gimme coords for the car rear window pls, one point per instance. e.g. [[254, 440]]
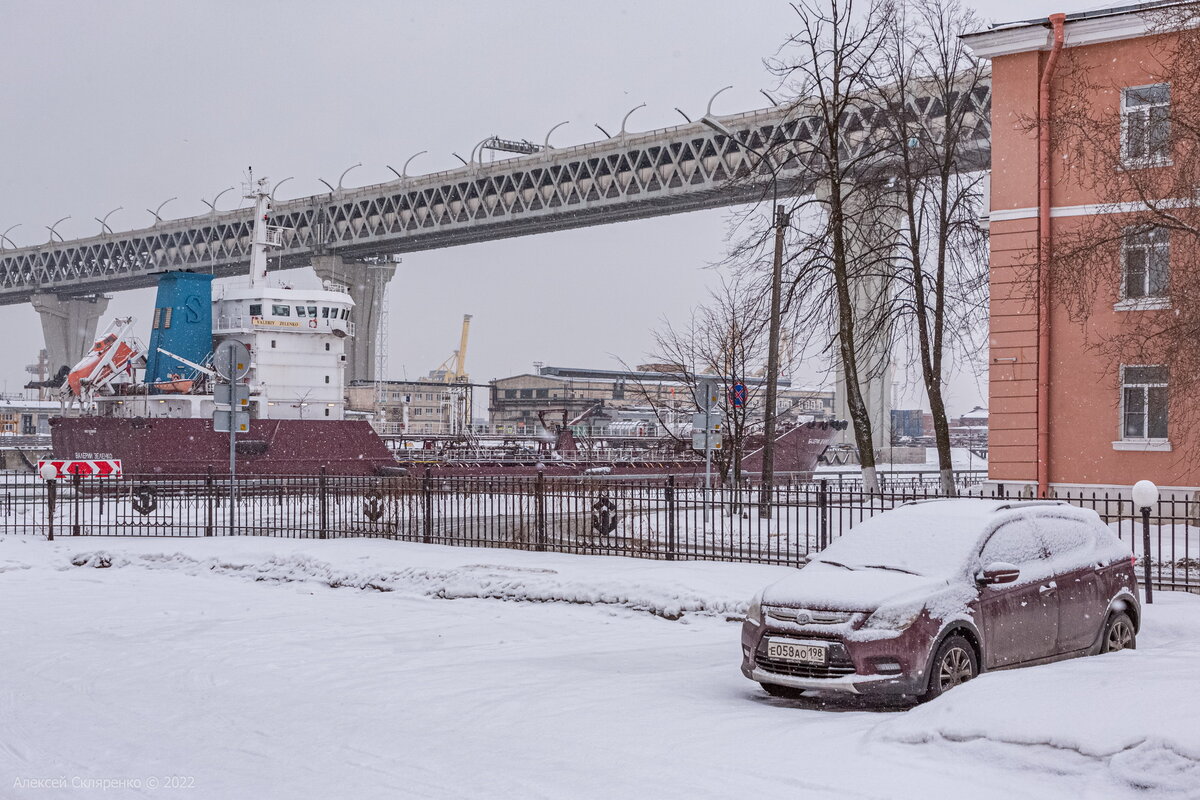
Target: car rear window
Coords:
[[1065, 535], [1015, 542]]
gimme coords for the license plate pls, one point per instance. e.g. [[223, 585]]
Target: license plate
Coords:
[[798, 652]]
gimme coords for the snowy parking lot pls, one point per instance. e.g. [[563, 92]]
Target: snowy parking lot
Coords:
[[262, 668]]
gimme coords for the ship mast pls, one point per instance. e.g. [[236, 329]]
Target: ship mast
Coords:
[[257, 192]]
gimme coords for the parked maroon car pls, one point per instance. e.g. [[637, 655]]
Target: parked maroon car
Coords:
[[921, 598]]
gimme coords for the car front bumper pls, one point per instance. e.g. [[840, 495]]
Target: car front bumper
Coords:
[[853, 666]]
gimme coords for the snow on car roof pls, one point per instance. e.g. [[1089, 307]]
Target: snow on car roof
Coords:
[[934, 537]]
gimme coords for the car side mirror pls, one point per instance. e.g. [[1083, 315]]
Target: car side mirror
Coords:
[[998, 572]]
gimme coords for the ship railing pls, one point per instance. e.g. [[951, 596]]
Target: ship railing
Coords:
[[275, 235]]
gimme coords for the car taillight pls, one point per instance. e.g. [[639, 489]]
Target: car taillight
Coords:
[[1133, 561]]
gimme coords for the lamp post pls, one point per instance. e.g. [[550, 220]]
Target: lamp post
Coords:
[[780, 224], [1145, 497], [49, 474]]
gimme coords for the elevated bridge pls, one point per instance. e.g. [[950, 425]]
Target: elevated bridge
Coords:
[[344, 233]]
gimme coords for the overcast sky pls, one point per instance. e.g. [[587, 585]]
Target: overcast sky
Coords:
[[123, 103]]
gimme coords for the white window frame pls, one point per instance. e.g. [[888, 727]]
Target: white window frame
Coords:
[[1127, 112], [1126, 442], [1146, 300]]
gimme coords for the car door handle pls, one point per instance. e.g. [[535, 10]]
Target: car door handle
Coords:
[[1048, 588]]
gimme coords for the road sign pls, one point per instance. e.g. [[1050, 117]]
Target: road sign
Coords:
[[706, 393], [228, 394], [241, 421], [714, 440], [91, 468], [233, 353], [714, 420], [737, 395]]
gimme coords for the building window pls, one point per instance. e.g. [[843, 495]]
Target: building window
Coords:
[[1143, 402], [300, 312], [1146, 257], [327, 346], [256, 309], [327, 379], [527, 393], [542, 393], [281, 311], [1146, 124], [510, 394], [272, 344]]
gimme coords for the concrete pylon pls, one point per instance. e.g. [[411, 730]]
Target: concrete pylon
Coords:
[[68, 326], [366, 284], [872, 242]]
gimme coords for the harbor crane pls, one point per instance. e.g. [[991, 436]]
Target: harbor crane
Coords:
[[454, 368]]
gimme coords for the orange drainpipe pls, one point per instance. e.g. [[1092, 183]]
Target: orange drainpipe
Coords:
[[1044, 251]]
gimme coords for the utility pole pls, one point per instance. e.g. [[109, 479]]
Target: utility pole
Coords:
[[781, 224], [768, 467]]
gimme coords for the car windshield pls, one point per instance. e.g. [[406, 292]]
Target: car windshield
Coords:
[[928, 539]]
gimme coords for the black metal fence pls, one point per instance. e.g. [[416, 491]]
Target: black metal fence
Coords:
[[660, 518]]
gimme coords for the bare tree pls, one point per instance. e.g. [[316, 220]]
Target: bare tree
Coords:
[[1137, 149], [727, 338], [931, 92], [840, 268]]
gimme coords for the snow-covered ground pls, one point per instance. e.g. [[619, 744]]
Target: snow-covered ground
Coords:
[[263, 668]]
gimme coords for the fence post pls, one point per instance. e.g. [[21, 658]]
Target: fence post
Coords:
[[76, 485], [51, 498], [670, 493], [540, 508], [323, 503], [427, 504], [823, 514], [210, 510]]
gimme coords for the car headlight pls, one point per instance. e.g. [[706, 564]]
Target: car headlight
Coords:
[[754, 614], [893, 618]]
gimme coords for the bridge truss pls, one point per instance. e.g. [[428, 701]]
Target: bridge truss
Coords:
[[629, 176]]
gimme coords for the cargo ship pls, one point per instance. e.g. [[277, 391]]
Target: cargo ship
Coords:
[[152, 407]]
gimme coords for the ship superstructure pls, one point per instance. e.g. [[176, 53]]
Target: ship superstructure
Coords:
[[152, 406], [296, 338]]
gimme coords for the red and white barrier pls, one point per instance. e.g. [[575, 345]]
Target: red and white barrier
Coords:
[[66, 468]]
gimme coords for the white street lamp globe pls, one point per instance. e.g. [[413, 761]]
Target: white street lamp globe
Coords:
[[48, 471], [1145, 494]]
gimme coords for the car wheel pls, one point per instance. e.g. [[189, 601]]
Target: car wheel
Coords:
[[1119, 634], [954, 663], [775, 690]]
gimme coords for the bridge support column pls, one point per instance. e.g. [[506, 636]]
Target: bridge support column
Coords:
[[68, 326], [872, 242], [367, 284]]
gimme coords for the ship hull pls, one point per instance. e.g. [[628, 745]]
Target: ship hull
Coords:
[[168, 446], [173, 446]]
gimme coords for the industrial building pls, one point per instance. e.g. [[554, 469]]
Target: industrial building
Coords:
[[21, 417], [625, 402], [401, 408]]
